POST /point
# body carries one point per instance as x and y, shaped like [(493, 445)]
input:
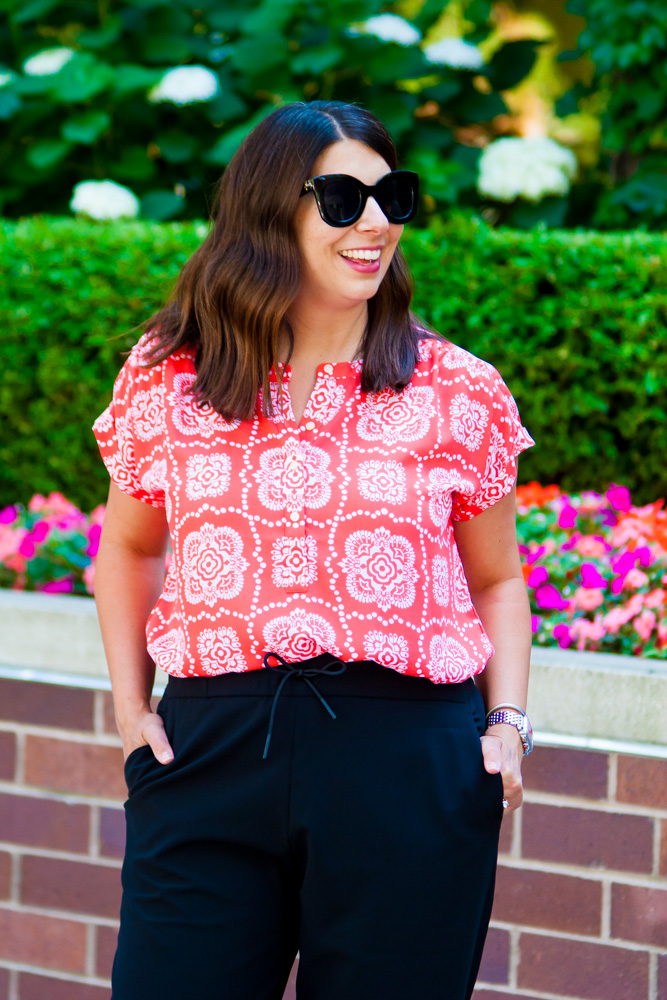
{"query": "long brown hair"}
[(232, 297)]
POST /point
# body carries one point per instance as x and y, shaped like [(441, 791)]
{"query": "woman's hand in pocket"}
[(147, 728), (503, 752)]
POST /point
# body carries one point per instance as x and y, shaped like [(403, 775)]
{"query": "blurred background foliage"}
[(589, 74)]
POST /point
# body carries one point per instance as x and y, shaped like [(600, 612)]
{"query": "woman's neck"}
[(325, 337)]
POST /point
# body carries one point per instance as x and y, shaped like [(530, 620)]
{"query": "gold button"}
[(328, 369), (295, 515), (310, 426)]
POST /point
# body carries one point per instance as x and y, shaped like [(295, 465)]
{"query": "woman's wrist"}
[(510, 734)]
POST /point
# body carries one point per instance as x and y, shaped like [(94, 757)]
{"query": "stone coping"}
[(593, 697)]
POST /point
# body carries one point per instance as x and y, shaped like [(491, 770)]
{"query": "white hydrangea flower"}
[(5, 78), (454, 52), (47, 61), (104, 200), (388, 27), (185, 85), (525, 168)]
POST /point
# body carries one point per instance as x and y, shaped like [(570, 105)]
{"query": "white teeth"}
[(361, 254)]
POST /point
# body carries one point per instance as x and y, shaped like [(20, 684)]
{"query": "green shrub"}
[(574, 321)]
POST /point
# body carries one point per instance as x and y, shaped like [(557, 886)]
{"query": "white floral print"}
[(294, 562), (468, 418), (219, 650), (393, 417), (382, 482), (300, 635), (213, 564), (390, 650), (207, 475), (380, 568)]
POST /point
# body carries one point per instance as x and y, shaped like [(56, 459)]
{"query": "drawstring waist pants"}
[(367, 841)]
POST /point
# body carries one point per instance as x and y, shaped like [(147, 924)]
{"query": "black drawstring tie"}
[(296, 670)]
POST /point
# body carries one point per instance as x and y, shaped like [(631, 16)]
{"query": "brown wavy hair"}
[(232, 297)]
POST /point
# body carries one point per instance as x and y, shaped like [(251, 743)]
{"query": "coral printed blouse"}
[(334, 535)]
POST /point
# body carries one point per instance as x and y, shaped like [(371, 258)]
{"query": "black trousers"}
[(367, 841)]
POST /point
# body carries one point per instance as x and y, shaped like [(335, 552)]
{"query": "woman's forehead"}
[(349, 156)]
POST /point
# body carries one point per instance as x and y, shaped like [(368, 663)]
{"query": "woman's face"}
[(328, 276)]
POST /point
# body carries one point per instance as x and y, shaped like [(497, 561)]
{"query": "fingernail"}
[(493, 765), (166, 757)]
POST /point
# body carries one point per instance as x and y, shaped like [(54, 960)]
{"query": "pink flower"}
[(27, 547), (655, 598), (39, 531), (644, 624), (10, 540), (537, 577), (97, 515), (615, 619), (38, 502), (535, 623), (591, 577), (588, 598), (568, 515), (619, 497), (548, 598), (89, 578), (636, 578), (564, 636), (592, 546), (588, 631)]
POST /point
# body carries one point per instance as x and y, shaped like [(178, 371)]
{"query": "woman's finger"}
[(503, 759), (154, 734)]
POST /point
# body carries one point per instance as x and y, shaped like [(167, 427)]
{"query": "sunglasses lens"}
[(341, 201), (398, 197)]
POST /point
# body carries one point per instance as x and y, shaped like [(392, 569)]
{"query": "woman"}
[(337, 484)]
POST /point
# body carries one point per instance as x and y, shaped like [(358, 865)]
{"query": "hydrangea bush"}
[(595, 565)]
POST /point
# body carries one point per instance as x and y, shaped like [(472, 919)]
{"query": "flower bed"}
[(595, 565)]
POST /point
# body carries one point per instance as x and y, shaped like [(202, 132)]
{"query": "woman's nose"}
[(373, 217)]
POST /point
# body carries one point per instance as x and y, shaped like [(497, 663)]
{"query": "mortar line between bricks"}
[(656, 846), (517, 834), (605, 930), (94, 831), (582, 938), (19, 767), (521, 993), (653, 977), (60, 733), (612, 776), (558, 800), (74, 915), (15, 883), (68, 977), (58, 855), (13, 984), (90, 949), (513, 971), (581, 871), (98, 713), (70, 798)]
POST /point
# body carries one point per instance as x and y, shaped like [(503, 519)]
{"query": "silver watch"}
[(513, 717)]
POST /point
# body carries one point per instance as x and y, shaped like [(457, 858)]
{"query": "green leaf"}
[(32, 11), (223, 150), (86, 128), (511, 63), (255, 56), (129, 78), (100, 38), (396, 62), (166, 48), (269, 17), (395, 111), (161, 205), (549, 212), (317, 60), (81, 78), (134, 164), (476, 107), (176, 146), (47, 153), (444, 91), (9, 103), (225, 106)]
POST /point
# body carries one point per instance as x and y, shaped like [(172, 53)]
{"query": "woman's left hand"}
[(503, 752)]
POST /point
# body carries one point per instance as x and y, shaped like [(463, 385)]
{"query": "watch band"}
[(516, 718)]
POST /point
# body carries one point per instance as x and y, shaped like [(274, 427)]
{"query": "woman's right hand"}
[(146, 729)]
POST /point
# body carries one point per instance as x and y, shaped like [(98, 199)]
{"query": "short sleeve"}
[(130, 432), (485, 423)]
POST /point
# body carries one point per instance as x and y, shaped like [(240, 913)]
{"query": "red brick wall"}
[(581, 903)]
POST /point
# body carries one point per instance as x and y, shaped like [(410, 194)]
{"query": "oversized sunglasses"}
[(341, 199)]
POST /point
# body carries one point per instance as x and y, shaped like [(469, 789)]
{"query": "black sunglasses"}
[(341, 199)]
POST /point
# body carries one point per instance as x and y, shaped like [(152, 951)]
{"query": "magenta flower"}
[(93, 540), (39, 531), (591, 577), (568, 516), (619, 498), (535, 622), (537, 577), (27, 548), (548, 598), (564, 636), (58, 587), (8, 514)]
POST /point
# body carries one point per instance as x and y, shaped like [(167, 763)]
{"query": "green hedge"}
[(575, 322)]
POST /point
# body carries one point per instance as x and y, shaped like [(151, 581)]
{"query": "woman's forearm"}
[(504, 611), (127, 585)]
